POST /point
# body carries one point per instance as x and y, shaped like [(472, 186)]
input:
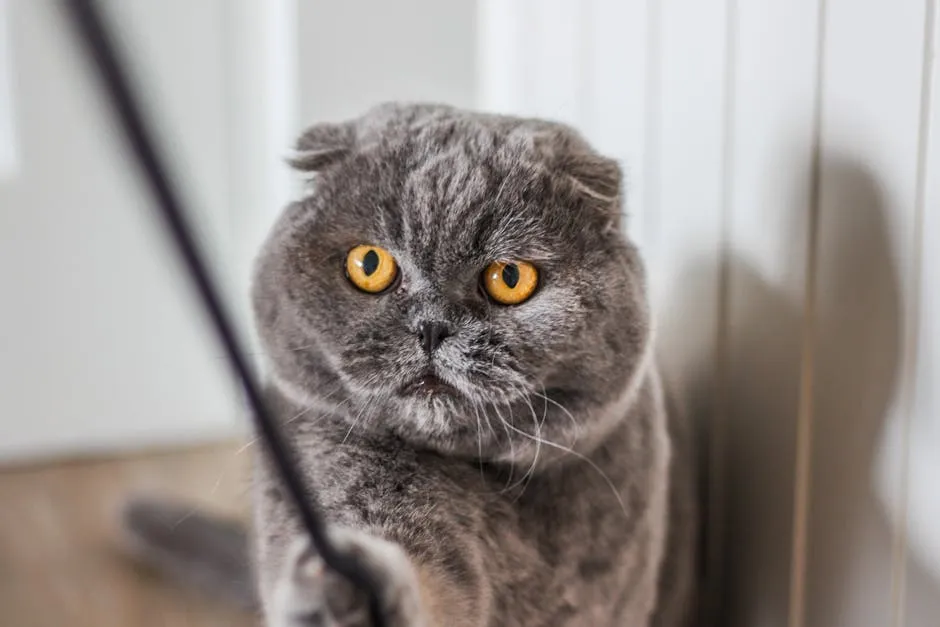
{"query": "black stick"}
[(99, 45)]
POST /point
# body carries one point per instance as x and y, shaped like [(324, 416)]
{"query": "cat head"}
[(454, 278)]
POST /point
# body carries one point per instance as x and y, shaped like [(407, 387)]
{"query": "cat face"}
[(455, 278)]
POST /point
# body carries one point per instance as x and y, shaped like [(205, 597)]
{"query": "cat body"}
[(530, 485), (577, 543), (493, 464)]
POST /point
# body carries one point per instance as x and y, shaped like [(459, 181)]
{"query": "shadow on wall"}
[(858, 360), (857, 348)]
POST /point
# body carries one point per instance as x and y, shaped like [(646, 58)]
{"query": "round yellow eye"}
[(370, 268), (510, 282)]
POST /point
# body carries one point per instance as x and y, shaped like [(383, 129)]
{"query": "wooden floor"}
[(60, 561)]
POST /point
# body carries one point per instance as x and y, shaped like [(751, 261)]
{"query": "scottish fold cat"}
[(460, 348)]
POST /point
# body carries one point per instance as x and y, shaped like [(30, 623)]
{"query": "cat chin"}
[(452, 423), (421, 418), (430, 414)]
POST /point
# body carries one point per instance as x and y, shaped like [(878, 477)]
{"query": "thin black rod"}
[(100, 46)]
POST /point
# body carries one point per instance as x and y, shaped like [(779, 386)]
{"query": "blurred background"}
[(783, 178)]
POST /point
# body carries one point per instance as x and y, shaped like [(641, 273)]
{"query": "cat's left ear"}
[(598, 177), (595, 177), (597, 180), (321, 146)]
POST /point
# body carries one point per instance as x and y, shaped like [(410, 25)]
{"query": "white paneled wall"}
[(101, 344), (785, 189), (783, 178)]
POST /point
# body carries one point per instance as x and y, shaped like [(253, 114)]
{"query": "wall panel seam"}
[(912, 333)]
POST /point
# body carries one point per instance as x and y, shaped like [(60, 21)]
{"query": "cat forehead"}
[(458, 185), (455, 207), (442, 195)]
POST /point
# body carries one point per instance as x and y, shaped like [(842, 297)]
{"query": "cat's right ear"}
[(321, 146)]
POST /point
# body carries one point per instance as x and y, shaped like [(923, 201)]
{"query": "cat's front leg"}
[(306, 594)]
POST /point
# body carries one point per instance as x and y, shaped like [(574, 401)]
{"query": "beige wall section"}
[(874, 338), (865, 299), (771, 82), (922, 471), (734, 99)]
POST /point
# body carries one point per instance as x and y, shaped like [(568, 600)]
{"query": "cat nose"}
[(432, 334)]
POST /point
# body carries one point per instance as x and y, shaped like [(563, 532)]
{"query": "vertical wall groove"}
[(802, 481), (900, 540), (716, 524)]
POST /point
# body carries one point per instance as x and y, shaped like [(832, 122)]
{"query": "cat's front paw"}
[(307, 594)]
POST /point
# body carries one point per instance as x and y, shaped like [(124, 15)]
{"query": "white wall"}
[(356, 53), (784, 187), (8, 139), (101, 345)]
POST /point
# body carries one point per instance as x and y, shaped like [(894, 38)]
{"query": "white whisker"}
[(559, 406), (524, 481), (355, 422), (512, 448), (583, 458)]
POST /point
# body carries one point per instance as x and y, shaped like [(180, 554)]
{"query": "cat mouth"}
[(427, 384)]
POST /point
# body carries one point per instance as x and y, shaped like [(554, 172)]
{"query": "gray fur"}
[(538, 494), (207, 552), (553, 490)]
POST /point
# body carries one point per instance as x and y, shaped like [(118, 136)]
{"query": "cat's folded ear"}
[(596, 176), (595, 179), (321, 146)]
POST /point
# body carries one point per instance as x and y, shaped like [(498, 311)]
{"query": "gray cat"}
[(461, 351)]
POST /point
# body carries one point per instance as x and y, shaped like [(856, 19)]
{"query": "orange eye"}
[(370, 268), (510, 282)]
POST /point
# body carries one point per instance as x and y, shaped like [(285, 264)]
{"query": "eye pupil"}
[(511, 275), (510, 283), (370, 262)]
